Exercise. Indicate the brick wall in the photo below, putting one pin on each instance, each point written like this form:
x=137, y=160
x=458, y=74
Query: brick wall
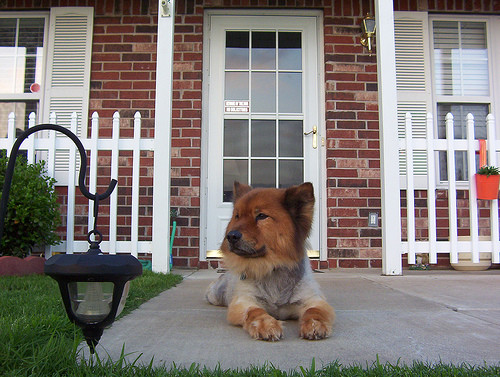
x=352, y=129
x=123, y=78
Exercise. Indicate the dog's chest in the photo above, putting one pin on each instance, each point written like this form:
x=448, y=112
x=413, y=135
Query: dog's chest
x=278, y=289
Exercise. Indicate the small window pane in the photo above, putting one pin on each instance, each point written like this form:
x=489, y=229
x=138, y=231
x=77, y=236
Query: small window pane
x=291, y=172
x=22, y=110
x=21, y=59
x=290, y=92
x=461, y=166
x=234, y=170
x=461, y=58
x=264, y=173
x=263, y=50
x=235, y=138
x=289, y=50
x=236, y=86
x=459, y=112
x=8, y=32
x=237, y=49
x=31, y=33
x=263, y=138
x=263, y=92
x=291, y=138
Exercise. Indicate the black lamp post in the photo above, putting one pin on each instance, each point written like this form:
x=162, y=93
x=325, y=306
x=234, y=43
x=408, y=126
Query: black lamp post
x=93, y=286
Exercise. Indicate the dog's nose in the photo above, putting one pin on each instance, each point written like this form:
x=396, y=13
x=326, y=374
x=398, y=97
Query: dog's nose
x=233, y=236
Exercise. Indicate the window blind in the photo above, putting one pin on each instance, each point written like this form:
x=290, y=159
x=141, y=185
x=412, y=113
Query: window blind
x=460, y=58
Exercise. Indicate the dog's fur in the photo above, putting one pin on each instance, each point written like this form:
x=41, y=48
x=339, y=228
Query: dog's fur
x=269, y=276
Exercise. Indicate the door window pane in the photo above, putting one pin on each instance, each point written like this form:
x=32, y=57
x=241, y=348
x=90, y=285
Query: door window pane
x=290, y=92
x=235, y=138
x=461, y=58
x=263, y=50
x=236, y=86
x=234, y=170
x=263, y=92
x=263, y=138
x=237, y=49
x=261, y=154
x=264, y=173
x=289, y=50
x=290, y=138
x=290, y=173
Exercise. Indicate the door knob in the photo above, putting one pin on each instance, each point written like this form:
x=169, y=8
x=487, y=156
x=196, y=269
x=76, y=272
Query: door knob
x=314, y=132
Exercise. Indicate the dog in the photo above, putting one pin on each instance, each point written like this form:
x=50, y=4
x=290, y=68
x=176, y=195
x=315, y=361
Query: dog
x=269, y=277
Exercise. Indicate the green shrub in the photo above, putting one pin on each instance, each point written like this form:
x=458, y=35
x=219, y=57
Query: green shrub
x=488, y=170
x=32, y=212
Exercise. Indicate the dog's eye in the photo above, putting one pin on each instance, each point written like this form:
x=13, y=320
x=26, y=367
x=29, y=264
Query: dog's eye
x=261, y=216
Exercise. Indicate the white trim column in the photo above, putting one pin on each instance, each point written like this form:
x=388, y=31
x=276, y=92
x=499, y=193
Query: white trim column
x=388, y=125
x=162, y=140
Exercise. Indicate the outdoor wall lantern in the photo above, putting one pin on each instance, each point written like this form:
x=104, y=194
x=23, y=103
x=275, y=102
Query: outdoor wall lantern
x=368, y=32
x=93, y=286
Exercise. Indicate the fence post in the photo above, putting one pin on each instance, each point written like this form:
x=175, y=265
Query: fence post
x=11, y=131
x=136, y=159
x=30, y=143
x=431, y=191
x=70, y=211
x=113, y=200
x=492, y=159
x=410, y=193
x=93, y=163
x=471, y=162
x=452, y=189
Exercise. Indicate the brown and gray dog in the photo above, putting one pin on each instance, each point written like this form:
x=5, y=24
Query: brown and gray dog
x=269, y=276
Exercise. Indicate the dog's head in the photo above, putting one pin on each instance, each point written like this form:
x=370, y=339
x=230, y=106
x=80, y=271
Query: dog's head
x=268, y=229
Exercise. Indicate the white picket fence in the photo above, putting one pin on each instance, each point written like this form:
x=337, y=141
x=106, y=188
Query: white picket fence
x=455, y=244
x=49, y=143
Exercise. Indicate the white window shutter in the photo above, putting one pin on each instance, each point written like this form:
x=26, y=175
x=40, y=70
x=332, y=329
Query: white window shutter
x=68, y=72
x=413, y=84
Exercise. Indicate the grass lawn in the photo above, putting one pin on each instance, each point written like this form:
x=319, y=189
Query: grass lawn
x=37, y=339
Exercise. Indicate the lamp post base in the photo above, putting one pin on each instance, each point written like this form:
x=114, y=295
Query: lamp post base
x=92, y=336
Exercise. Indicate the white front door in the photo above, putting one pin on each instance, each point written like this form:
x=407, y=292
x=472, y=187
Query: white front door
x=262, y=112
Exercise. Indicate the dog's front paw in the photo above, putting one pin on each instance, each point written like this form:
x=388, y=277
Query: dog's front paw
x=316, y=324
x=313, y=329
x=262, y=326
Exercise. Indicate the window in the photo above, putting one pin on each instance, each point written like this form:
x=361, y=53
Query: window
x=461, y=82
x=444, y=65
x=45, y=68
x=22, y=54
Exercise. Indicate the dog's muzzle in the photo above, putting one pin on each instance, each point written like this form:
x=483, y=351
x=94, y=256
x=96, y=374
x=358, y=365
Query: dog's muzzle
x=242, y=248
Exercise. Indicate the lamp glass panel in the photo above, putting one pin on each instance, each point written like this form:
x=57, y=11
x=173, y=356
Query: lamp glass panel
x=123, y=299
x=369, y=25
x=91, y=301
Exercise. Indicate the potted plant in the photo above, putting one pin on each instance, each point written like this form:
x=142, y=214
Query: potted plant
x=32, y=217
x=487, y=181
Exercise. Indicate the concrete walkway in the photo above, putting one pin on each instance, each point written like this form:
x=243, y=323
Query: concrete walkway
x=427, y=316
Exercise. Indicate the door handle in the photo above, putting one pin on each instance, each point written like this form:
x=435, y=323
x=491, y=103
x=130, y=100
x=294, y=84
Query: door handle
x=314, y=132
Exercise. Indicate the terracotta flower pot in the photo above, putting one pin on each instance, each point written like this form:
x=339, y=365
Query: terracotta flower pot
x=14, y=266
x=487, y=186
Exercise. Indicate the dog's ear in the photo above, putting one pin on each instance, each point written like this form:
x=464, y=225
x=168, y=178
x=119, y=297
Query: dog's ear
x=239, y=189
x=299, y=201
